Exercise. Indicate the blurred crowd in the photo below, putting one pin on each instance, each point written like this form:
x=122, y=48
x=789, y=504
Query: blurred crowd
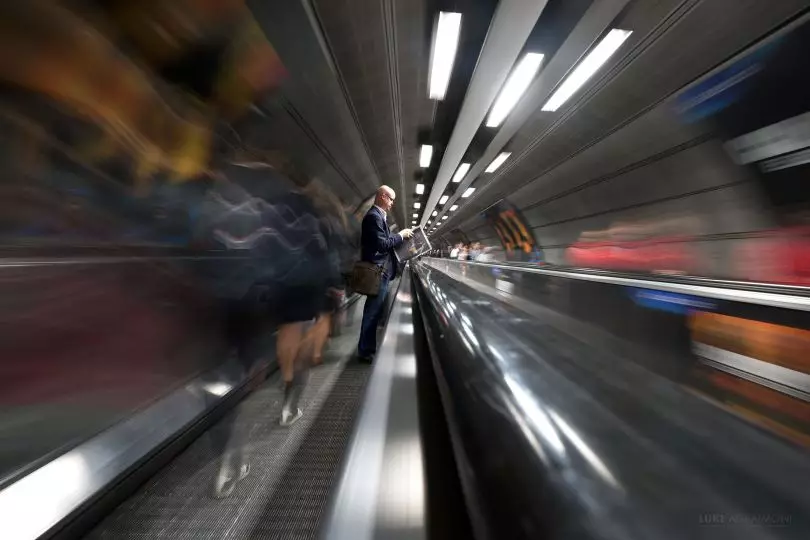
x=660, y=246
x=130, y=131
x=469, y=252
x=676, y=247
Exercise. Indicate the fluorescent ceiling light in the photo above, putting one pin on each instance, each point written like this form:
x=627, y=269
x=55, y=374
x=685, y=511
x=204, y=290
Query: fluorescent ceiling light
x=498, y=161
x=416, y=215
x=460, y=172
x=425, y=155
x=435, y=213
x=453, y=208
x=515, y=86
x=417, y=205
x=470, y=191
x=420, y=188
x=444, y=199
x=444, y=217
x=586, y=69
x=443, y=54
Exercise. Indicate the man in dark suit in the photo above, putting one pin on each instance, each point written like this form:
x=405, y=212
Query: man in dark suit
x=377, y=246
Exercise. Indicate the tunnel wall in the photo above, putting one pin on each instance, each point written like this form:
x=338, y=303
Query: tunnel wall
x=656, y=168
x=621, y=152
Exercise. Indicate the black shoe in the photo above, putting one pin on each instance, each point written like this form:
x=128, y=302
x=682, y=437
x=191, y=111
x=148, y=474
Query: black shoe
x=365, y=359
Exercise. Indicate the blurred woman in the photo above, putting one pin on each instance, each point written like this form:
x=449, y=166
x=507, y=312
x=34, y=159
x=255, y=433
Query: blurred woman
x=290, y=242
x=335, y=227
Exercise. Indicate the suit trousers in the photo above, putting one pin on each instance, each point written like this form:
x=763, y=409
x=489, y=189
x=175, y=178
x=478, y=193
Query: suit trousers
x=372, y=312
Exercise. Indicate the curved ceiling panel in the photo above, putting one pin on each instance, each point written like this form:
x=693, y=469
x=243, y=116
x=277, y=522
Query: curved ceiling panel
x=673, y=44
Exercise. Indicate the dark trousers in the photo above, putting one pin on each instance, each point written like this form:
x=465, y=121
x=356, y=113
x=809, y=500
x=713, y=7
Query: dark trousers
x=372, y=312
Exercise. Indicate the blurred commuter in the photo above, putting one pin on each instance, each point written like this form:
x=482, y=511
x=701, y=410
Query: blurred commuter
x=226, y=213
x=290, y=244
x=475, y=251
x=377, y=247
x=485, y=255
x=335, y=228
x=454, y=251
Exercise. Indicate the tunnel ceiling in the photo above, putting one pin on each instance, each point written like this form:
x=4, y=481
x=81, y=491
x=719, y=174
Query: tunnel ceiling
x=356, y=107
x=600, y=131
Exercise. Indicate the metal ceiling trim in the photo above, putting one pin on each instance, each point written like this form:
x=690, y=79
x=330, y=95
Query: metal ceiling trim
x=326, y=48
x=511, y=26
x=392, y=62
x=592, y=24
x=310, y=132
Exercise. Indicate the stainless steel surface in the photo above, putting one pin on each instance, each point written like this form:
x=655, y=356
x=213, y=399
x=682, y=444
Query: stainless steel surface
x=381, y=489
x=39, y=501
x=511, y=26
x=89, y=340
x=564, y=438
x=788, y=301
x=782, y=379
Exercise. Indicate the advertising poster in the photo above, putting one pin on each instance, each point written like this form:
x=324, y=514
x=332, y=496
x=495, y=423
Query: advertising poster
x=514, y=232
x=759, y=106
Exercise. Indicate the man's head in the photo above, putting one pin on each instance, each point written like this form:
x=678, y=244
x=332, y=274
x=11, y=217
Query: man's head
x=385, y=198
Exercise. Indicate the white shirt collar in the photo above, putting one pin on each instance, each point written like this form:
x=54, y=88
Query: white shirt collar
x=385, y=215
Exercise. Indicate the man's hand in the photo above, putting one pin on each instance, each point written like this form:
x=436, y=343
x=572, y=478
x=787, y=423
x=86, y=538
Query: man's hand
x=406, y=233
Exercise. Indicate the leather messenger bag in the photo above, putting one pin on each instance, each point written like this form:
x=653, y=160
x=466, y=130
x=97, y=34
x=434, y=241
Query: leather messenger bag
x=366, y=278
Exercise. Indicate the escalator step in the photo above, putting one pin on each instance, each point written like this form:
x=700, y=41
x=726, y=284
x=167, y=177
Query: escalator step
x=292, y=469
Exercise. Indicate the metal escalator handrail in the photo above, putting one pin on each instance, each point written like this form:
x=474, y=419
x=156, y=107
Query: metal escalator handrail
x=43, y=500
x=561, y=439
x=379, y=492
x=753, y=293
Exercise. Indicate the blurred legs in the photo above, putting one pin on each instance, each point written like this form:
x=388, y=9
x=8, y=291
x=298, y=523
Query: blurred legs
x=320, y=333
x=294, y=349
x=288, y=343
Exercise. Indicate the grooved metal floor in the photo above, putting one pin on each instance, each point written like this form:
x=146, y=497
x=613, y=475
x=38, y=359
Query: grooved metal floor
x=292, y=469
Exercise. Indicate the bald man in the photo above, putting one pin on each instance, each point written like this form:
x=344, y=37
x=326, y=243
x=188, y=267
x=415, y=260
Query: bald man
x=377, y=246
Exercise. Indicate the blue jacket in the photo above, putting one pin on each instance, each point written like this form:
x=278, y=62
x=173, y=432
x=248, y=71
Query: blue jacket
x=377, y=244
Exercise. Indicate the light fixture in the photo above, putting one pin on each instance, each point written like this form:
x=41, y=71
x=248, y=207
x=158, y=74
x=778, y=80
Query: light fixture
x=420, y=188
x=444, y=217
x=443, y=54
x=435, y=213
x=470, y=191
x=416, y=215
x=444, y=199
x=453, y=208
x=460, y=172
x=586, y=69
x=417, y=205
x=515, y=86
x=425, y=154
x=498, y=161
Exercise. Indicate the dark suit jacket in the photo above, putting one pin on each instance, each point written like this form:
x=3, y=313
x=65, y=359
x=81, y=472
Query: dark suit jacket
x=377, y=244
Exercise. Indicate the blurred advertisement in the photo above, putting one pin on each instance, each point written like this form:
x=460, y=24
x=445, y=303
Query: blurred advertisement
x=759, y=105
x=514, y=232
x=759, y=369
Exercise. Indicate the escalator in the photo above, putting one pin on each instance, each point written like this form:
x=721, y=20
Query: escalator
x=491, y=411
x=291, y=469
